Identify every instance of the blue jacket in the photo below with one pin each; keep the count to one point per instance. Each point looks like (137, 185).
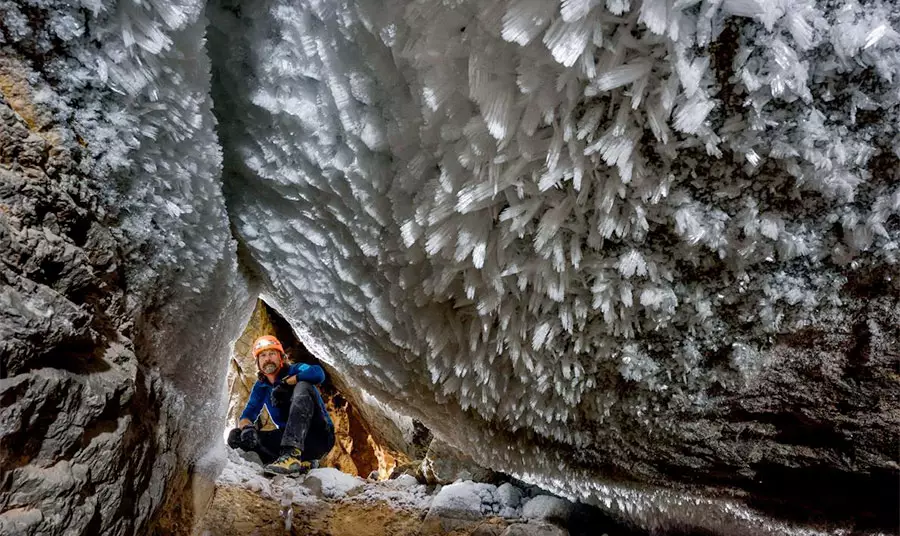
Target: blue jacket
(262, 390)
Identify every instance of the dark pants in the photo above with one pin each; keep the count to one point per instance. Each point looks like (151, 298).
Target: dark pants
(307, 429)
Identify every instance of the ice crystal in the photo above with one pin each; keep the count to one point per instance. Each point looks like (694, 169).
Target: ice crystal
(525, 191)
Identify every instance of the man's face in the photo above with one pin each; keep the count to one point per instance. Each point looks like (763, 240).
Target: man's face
(269, 361)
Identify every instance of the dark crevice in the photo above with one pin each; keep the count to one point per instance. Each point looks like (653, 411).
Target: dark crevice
(822, 495)
(723, 51)
(796, 428)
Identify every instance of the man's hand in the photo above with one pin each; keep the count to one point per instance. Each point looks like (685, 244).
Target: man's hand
(249, 438)
(283, 392)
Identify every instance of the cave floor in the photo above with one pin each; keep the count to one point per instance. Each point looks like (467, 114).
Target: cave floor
(240, 512)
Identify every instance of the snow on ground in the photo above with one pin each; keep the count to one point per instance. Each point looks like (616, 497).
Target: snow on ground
(405, 492)
(324, 483)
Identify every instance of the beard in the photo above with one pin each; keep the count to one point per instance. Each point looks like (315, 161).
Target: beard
(269, 368)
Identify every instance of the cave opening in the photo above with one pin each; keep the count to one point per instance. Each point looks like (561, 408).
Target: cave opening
(360, 447)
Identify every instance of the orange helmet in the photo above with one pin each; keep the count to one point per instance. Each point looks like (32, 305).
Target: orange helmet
(266, 342)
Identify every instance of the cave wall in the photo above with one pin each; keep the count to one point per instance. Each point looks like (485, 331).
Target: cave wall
(120, 287)
(642, 254)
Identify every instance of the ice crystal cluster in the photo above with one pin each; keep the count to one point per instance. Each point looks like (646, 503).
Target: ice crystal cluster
(530, 207)
(129, 82)
(132, 79)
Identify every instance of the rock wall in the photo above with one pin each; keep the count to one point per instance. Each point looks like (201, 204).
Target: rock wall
(119, 288)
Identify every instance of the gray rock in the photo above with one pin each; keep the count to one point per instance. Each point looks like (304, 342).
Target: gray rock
(509, 495)
(534, 529)
(314, 485)
(250, 456)
(405, 481)
(547, 508)
(330, 483)
(456, 506)
(509, 513)
(20, 520)
(105, 390)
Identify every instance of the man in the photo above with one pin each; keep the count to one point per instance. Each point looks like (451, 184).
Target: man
(304, 431)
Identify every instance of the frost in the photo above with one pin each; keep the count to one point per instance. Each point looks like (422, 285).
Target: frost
(507, 207)
(333, 483)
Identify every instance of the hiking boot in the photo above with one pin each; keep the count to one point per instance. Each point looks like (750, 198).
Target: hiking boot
(289, 463)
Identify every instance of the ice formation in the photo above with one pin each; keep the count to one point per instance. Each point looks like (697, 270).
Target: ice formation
(524, 222)
(533, 214)
(504, 201)
(558, 233)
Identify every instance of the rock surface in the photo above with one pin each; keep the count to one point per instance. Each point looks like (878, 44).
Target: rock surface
(547, 508)
(444, 464)
(116, 303)
(534, 529)
(455, 507)
(246, 502)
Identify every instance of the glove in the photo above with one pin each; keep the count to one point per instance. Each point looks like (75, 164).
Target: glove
(234, 438)
(249, 438)
(282, 393)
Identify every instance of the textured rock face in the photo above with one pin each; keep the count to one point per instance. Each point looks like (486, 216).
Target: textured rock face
(113, 238)
(444, 464)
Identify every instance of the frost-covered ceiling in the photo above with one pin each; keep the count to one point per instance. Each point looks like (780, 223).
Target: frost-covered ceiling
(551, 221)
(495, 200)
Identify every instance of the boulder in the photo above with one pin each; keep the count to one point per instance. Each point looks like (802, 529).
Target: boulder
(548, 508)
(509, 495)
(405, 481)
(331, 483)
(444, 464)
(455, 507)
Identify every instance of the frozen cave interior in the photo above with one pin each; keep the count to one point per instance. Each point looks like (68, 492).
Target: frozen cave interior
(640, 253)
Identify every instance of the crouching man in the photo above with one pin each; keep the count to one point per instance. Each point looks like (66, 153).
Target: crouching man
(304, 430)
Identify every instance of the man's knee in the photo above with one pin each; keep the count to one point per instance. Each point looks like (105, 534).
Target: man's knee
(303, 389)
